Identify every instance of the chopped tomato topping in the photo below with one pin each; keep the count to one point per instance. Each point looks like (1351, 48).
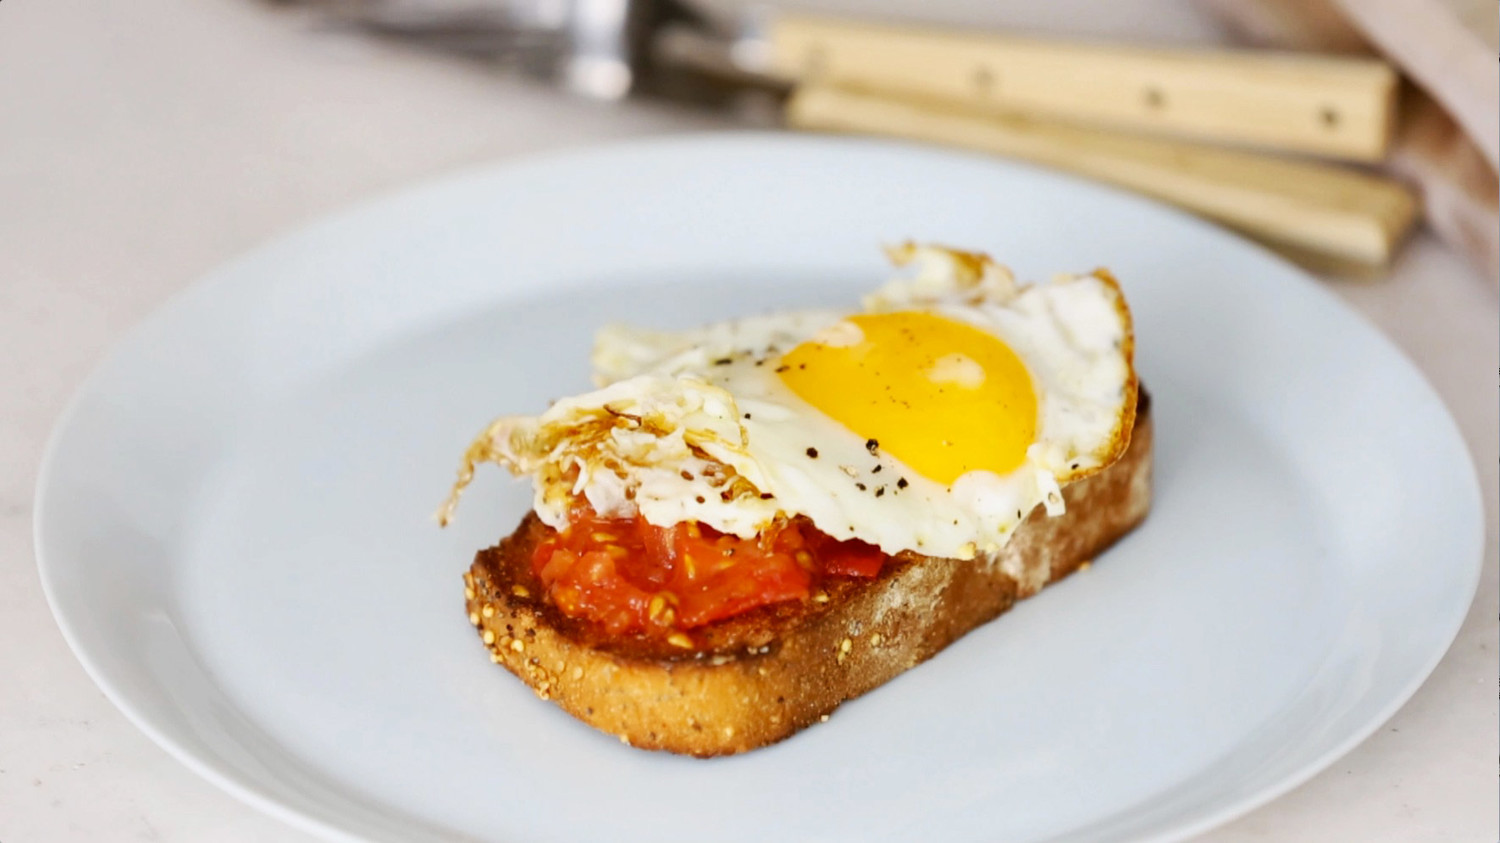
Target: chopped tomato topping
(849, 558)
(631, 576)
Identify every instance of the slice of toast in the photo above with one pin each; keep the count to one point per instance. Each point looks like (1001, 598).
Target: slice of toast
(758, 677)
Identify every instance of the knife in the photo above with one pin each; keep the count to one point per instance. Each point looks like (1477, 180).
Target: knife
(1132, 116)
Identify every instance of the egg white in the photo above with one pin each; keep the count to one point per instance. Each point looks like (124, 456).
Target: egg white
(697, 425)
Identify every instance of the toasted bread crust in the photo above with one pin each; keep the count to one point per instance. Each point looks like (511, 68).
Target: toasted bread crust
(757, 678)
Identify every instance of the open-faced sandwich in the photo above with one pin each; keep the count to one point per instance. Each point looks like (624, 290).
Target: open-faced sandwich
(747, 524)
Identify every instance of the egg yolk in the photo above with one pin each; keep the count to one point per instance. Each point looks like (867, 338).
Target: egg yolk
(943, 397)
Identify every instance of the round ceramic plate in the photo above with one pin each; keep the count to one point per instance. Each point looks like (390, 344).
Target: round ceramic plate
(235, 528)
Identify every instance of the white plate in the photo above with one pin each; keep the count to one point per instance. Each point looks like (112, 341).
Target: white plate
(234, 521)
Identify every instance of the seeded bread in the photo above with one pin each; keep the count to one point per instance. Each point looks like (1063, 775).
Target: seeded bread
(756, 678)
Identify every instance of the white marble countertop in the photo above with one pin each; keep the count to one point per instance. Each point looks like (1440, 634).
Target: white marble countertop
(141, 144)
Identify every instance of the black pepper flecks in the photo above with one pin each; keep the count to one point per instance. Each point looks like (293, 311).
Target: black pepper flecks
(765, 496)
(747, 415)
(812, 453)
(880, 491)
(859, 486)
(723, 361)
(699, 499)
(901, 483)
(872, 445)
(1075, 466)
(780, 369)
(876, 469)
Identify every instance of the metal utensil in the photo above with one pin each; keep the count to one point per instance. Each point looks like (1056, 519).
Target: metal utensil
(1062, 105)
(603, 49)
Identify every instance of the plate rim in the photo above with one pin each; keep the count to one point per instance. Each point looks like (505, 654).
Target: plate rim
(234, 783)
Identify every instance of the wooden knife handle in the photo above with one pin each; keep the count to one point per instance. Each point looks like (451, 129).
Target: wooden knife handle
(1329, 211)
(1340, 107)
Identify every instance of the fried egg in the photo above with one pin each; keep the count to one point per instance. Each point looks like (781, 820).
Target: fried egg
(934, 419)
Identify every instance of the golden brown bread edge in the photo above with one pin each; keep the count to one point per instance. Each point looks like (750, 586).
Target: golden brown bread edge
(760, 677)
